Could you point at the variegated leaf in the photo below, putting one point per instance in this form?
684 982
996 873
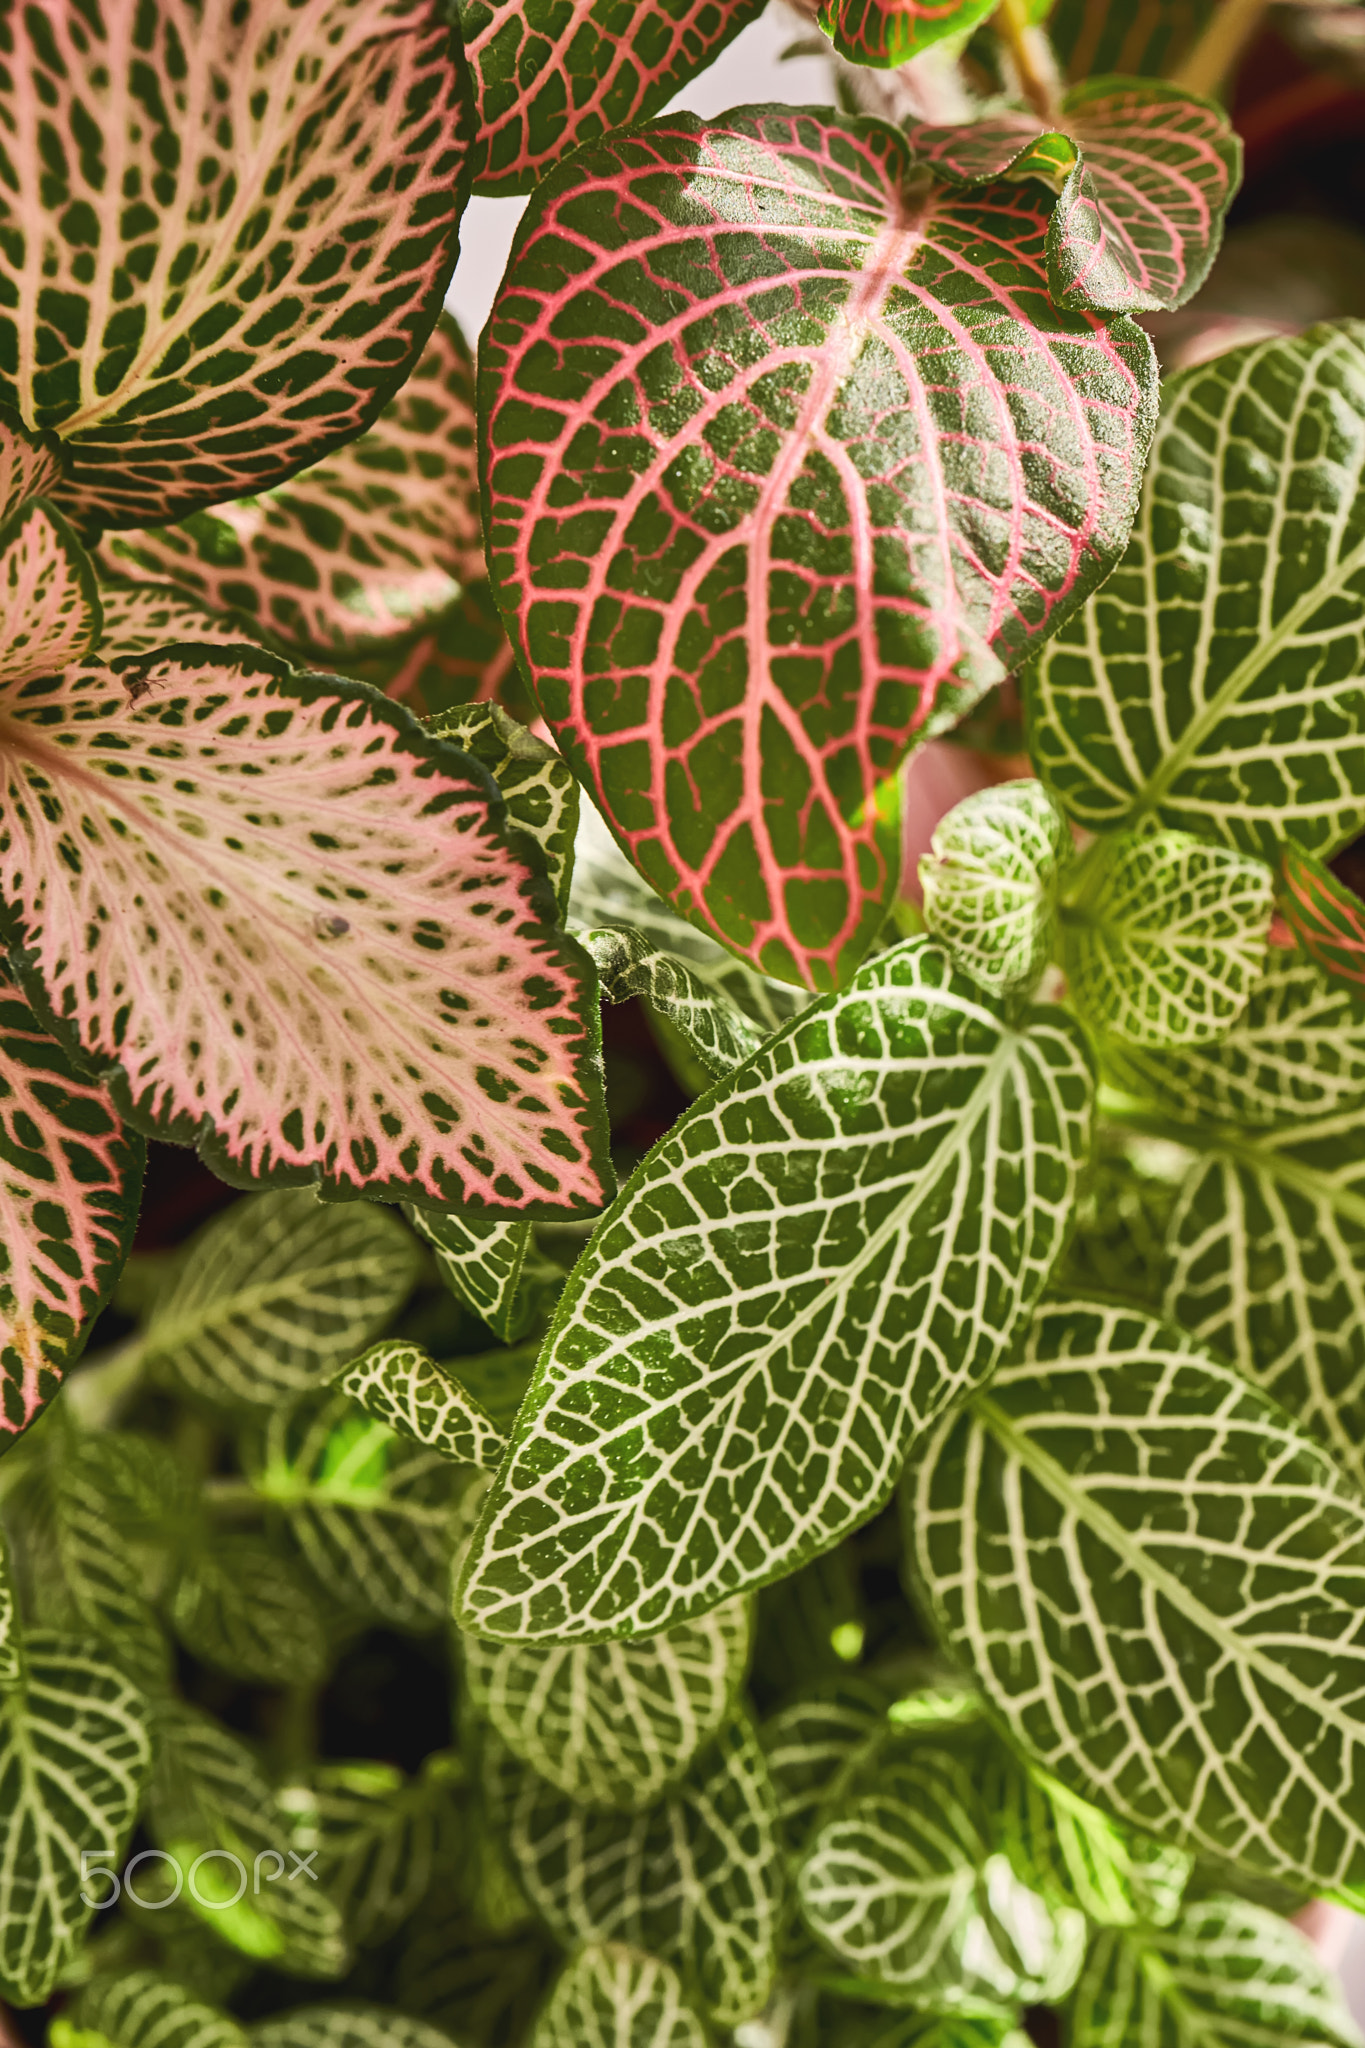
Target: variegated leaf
380 1839
837 1241
30 464
11 1634
715 1028
613 1724
615 1997
140 2009
354 552
1118 1246
107 1491
1062 1847
540 794
696 1881
1238 610
69 1194
812 1742
1121 1518
1144 175
405 1388
49 606
1229 1974
258 220
352 982
764 498
277 1293
1168 945
243 1610
551 74
142 618
349 2025
74 1754
990 882
369 1510
485 1266
1326 918
886 33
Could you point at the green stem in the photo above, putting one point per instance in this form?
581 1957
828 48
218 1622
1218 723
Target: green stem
1033 59
1218 49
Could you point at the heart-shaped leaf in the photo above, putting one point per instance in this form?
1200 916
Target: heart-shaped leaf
140 2007
69 1199
354 552
74 1753
608 1996
405 1389
1241 599
890 32
768 496
1144 175
1120 1517
297 934
837 1241
49 608
990 882
258 220
243 1610
30 464
613 1724
1326 918
549 78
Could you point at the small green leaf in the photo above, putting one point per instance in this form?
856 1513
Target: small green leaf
614 1997
613 1724
1118 1247
990 882
74 1753
1326 918
533 781
1227 1975
405 1388
1168 947
832 1245
143 2010
715 1029
276 1293
352 2025
243 1610
484 1264
380 1839
49 605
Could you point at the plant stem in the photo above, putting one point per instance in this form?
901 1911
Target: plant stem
1222 43
1033 60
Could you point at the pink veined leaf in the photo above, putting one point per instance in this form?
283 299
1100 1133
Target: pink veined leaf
466 658
356 552
69 1193
889 32
30 464
551 74
789 458
284 923
225 230
139 618
1144 174
1326 919
49 608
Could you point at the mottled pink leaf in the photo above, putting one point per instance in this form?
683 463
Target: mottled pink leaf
550 74
70 1183
1144 175
466 658
886 32
355 552
140 617
225 230
1325 917
49 610
30 464
287 924
789 457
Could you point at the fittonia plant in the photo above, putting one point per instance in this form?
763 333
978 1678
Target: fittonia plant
1026 1189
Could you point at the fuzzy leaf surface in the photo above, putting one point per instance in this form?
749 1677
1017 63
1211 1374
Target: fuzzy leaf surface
355 552
552 74
765 416
49 609
1121 1502
30 464
69 1195
838 1240
74 1754
290 913
989 882
613 1724
141 2009
1326 918
1238 611
403 1387
886 33
614 1997
258 219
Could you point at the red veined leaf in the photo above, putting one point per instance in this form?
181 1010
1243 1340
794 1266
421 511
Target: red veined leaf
887 32
69 1193
225 231
465 659
789 458
1144 175
30 464
356 551
1325 917
141 617
551 74
49 608
283 922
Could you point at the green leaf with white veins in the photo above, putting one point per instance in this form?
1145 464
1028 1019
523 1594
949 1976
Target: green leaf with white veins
141 2009
934 2030
244 1611
275 1294
1168 947
74 1753
613 1724
533 781
833 1244
1073 1854
614 1997
810 1742
1228 1975
696 1881
1121 1522
379 1838
1216 682
351 2025
715 1028
405 1388
110 1579
990 882
258 220
483 1264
